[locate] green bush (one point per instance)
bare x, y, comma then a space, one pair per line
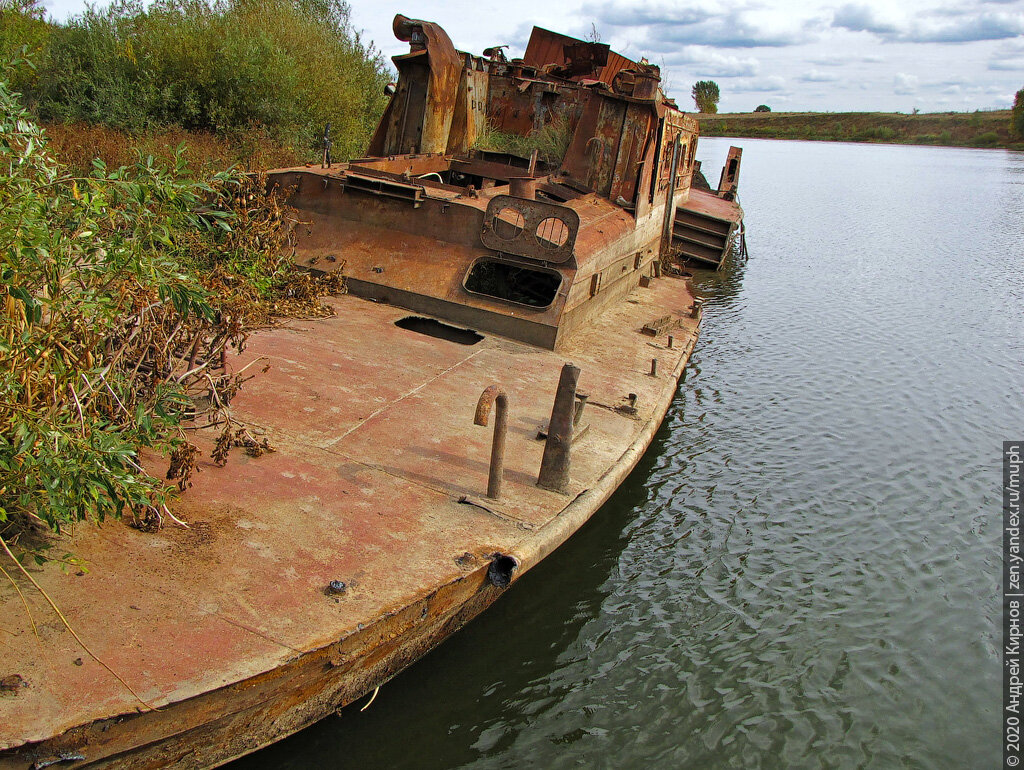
23, 30
82, 256
279, 68
551, 142
119, 291
877, 134
987, 139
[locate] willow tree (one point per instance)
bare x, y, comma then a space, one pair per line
705, 96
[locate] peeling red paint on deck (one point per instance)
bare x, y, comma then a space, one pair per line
373, 426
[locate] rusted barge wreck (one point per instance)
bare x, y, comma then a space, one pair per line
388, 517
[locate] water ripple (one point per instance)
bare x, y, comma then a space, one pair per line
804, 570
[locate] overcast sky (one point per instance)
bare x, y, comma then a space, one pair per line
789, 54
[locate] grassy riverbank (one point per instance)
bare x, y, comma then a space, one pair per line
246, 75
958, 129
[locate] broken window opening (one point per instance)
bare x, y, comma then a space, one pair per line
552, 233
441, 331
513, 283
508, 223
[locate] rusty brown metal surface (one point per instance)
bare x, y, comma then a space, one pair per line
547, 231
729, 182
550, 48
555, 465
259, 648
229, 630
420, 113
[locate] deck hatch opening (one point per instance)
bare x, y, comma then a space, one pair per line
441, 331
513, 283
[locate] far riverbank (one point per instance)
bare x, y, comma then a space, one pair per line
955, 129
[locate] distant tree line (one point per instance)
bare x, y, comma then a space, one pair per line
1017, 120
277, 68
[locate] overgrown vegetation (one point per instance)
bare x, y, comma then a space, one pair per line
551, 141
120, 292
126, 276
257, 71
77, 145
963, 129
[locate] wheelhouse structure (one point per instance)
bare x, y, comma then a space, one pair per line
516, 197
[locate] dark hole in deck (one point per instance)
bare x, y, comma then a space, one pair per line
537, 288
432, 328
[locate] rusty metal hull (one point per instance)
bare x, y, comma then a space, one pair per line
388, 517
705, 229
225, 627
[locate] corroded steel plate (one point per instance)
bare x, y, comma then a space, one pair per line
529, 228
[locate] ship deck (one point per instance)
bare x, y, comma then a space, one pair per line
709, 204
225, 626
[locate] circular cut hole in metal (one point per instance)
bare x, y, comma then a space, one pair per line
508, 223
552, 233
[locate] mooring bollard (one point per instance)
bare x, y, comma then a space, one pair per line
696, 308
654, 367
671, 341
554, 467
483, 410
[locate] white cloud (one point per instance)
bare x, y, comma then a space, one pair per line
905, 84
707, 62
858, 17
759, 85
986, 26
814, 76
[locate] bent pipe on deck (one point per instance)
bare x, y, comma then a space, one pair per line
496, 470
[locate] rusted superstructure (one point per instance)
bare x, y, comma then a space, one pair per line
529, 247
389, 517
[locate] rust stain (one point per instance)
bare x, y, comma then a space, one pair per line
530, 262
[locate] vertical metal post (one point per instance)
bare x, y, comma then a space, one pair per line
533, 161
670, 204
554, 467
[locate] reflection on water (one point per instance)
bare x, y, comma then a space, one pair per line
803, 571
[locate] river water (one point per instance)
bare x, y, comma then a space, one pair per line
804, 569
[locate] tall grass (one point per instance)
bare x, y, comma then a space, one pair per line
269, 69
551, 141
